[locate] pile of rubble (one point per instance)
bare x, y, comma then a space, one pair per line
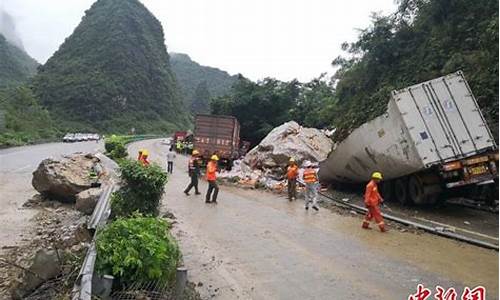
51, 254
265, 165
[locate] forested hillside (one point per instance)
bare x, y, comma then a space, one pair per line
113, 74
15, 65
199, 83
423, 40
22, 119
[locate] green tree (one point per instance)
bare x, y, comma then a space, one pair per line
259, 107
422, 40
22, 119
313, 103
190, 75
16, 67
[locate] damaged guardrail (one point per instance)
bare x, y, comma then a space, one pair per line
430, 229
82, 289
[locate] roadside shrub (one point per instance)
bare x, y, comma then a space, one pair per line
115, 147
142, 190
137, 249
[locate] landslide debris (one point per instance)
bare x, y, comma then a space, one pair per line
265, 165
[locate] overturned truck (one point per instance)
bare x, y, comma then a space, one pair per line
432, 137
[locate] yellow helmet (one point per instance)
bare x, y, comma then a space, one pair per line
195, 152
292, 159
377, 175
145, 152
214, 157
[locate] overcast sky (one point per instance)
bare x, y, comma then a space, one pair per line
284, 39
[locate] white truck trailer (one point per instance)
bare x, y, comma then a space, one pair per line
433, 136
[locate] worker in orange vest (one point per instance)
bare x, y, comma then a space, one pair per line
372, 203
312, 184
144, 158
140, 154
212, 179
291, 174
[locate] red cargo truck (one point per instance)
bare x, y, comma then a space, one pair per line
179, 135
220, 135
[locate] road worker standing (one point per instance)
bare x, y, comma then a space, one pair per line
140, 154
311, 182
144, 158
291, 173
212, 180
178, 146
170, 160
194, 172
372, 203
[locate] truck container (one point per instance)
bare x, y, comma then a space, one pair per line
216, 134
432, 137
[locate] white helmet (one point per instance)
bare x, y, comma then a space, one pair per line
306, 164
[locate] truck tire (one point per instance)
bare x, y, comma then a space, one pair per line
416, 190
401, 191
423, 189
387, 190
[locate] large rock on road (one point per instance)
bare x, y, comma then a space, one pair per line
64, 178
289, 140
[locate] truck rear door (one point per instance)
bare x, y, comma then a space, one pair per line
444, 119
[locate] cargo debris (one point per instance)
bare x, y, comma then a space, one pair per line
265, 164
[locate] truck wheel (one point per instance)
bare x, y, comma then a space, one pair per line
401, 191
423, 189
416, 189
387, 190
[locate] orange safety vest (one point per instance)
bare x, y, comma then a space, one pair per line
292, 172
310, 176
211, 169
372, 196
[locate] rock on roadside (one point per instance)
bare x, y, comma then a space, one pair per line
45, 266
87, 200
63, 179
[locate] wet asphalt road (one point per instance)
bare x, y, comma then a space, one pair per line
16, 168
257, 245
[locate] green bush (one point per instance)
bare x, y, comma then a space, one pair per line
142, 189
137, 249
115, 147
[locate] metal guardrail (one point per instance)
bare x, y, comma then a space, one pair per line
82, 289
102, 211
429, 229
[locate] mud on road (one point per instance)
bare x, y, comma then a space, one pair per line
16, 168
257, 245
472, 223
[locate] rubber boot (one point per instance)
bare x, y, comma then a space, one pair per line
366, 225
